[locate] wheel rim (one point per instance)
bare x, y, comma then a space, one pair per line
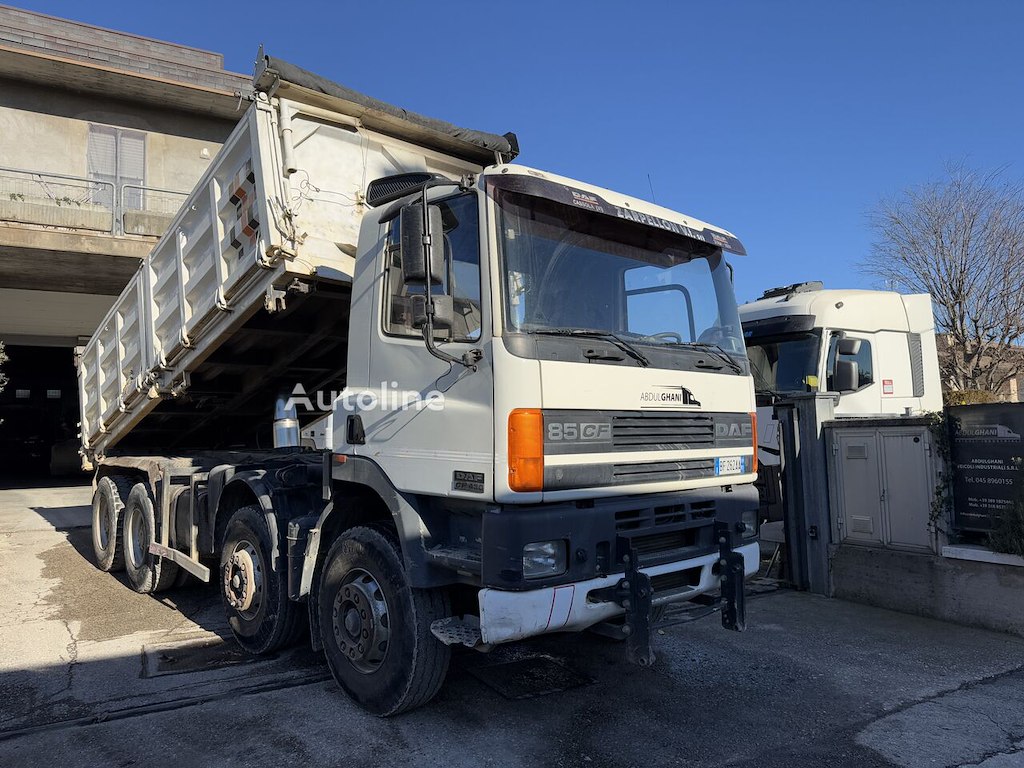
243, 580
105, 522
361, 621
135, 531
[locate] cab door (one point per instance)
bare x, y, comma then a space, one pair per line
866, 398
433, 431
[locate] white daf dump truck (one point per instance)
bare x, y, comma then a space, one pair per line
540, 408
875, 349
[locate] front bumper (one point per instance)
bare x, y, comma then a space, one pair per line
507, 615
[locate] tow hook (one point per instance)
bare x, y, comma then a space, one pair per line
734, 607
633, 593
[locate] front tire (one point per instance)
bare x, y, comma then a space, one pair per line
147, 573
255, 596
375, 627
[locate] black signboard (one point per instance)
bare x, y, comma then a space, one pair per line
987, 449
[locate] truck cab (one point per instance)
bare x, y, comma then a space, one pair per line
874, 349
584, 398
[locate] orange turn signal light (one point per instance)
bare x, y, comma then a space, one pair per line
753, 429
526, 449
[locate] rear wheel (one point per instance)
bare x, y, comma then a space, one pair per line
255, 596
375, 627
107, 507
146, 572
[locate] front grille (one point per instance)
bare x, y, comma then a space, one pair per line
643, 430
663, 471
657, 517
663, 542
666, 533
669, 582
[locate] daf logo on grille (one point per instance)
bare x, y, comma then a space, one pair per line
734, 429
666, 396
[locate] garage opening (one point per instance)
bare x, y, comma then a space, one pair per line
39, 413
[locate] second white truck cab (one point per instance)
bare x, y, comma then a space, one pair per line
876, 349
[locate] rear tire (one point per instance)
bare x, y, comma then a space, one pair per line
375, 627
255, 597
107, 506
147, 573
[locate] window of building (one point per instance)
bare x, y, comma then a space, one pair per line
862, 358
117, 157
462, 273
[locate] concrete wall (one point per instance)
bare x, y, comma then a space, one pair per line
46, 130
961, 591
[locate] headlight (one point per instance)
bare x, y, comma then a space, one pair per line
544, 558
750, 524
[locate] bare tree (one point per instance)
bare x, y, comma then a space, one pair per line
3, 359
961, 239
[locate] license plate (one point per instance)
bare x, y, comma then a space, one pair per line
729, 465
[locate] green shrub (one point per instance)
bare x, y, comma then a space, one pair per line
967, 397
1008, 536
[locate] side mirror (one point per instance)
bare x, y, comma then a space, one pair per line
848, 347
847, 375
414, 265
444, 312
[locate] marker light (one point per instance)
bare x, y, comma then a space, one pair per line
753, 429
526, 450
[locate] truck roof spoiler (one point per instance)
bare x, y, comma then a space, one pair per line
792, 290
274, 76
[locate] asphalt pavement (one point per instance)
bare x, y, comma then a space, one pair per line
93, 674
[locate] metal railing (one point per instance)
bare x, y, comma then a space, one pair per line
55, 200
73, 202
148, 210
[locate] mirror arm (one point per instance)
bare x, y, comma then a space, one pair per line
470, 359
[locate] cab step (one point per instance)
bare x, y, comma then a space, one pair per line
457, 630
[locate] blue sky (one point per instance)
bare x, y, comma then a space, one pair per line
784, 122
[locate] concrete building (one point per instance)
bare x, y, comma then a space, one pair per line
103, 133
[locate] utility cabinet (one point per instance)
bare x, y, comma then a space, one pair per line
882, 480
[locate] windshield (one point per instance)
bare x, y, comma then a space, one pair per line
783, 363
568, 268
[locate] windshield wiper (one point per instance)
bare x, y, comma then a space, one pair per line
715, 349
762, 385
595, 333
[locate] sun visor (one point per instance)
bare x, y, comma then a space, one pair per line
563, 193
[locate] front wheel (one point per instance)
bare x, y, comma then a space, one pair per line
376, 628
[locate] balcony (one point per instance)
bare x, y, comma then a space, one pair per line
85, 205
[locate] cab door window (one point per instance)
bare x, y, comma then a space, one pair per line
862, 358
461, 278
